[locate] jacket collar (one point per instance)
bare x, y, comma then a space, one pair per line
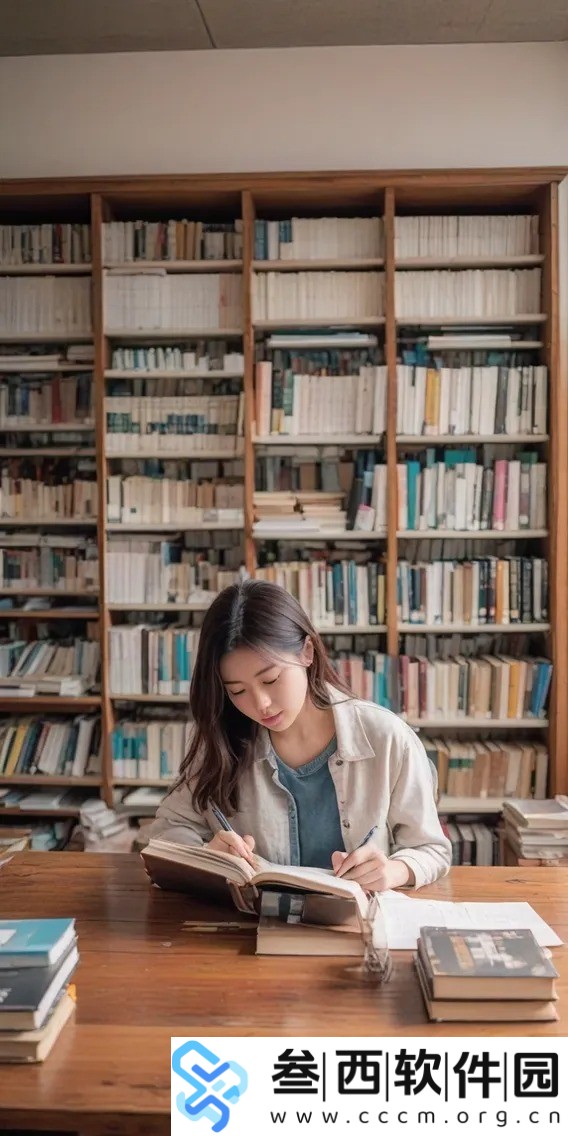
352, 741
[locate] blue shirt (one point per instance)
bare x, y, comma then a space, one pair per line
315, 828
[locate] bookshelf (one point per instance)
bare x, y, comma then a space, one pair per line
198, 355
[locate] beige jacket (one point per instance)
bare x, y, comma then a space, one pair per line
382, 777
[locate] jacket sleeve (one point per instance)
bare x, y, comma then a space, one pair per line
416, 832
178, 820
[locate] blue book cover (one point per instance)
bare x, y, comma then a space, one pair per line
34, 942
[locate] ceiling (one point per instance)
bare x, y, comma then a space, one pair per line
52, 27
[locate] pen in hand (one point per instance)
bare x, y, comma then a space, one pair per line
233, 843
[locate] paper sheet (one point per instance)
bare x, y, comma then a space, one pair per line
404, 916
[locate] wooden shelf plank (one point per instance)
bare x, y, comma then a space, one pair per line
344, 440
132, 267
50, 704
158, 335
344, 264
46, 337
469, 320
138, 373
177, 526
45, 269
47, 522
486, 261
470, 628
175, 455
49, 615
182, 699
369, 537
166, 607
42, 369
47, 452
469, 439
477, 723
465, 534
286, 323
62, 593
48, 780
25, 810
47, 427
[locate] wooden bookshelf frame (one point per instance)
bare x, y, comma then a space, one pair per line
247, 194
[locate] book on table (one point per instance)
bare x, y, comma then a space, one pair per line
488, 964
34, 942
479, 1009
27, 1046
28, 995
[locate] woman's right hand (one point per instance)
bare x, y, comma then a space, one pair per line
235, 844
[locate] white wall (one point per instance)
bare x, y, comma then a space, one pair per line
299, 109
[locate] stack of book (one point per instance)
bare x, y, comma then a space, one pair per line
37, 960
48, 667
485, 975
537, 831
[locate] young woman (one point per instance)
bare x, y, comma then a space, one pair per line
305, 773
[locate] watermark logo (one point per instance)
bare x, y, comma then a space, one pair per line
216, 1085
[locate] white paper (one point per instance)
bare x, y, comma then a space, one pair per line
6, 935
405, 916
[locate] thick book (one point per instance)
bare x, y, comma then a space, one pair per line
274, 937
221, 876
35, 1045
27, 995
481, 1010
552, 813
34, 942
485, 964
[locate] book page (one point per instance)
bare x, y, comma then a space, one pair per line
404, 917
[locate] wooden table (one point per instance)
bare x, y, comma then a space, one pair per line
143, 977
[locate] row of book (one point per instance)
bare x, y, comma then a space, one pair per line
56, 499
69, 747
63, 564
295, 403
150, 660
156, 301
489, 769
163, 571
310, 468
139, 424
129, 241
474, 293
474, 843
312, 512
148, 750
346, 592
45, 304
287, 482
476, 592
44, 244
317, 295
459, 493
38, 958
538, 832
48, 666
319, 238
483, 688
202, 356
181, 500
463, 236
471, 400
62, 399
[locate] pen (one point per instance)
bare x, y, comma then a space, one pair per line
221, 818
367, 838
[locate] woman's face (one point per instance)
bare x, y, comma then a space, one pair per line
267, 688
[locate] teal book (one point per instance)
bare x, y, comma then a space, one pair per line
34, 942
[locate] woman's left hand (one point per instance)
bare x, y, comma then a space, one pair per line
370, 868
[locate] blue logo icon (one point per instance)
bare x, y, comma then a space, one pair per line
215, 1089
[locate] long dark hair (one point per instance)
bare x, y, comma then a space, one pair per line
264, 617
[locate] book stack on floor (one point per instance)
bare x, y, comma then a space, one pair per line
37, 960
491, 976
537, 831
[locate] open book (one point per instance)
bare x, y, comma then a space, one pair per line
220, 876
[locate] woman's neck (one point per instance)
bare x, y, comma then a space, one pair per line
308, 735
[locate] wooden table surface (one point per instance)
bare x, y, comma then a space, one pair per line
144, 977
